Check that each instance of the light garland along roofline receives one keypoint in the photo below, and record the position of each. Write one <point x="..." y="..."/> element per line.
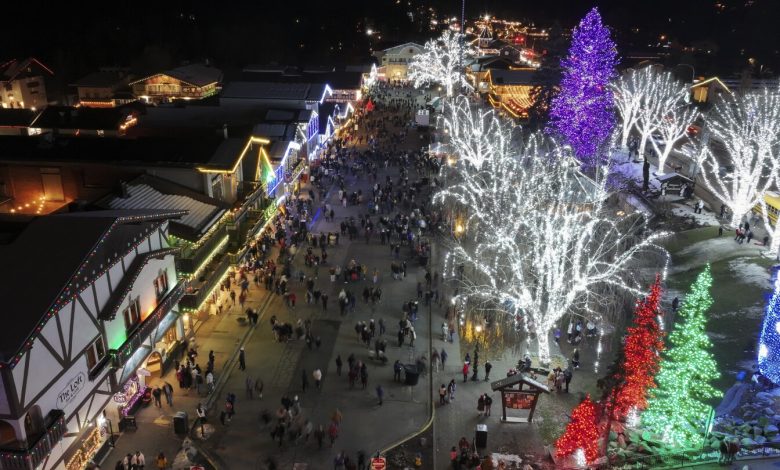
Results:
<point x="70" y="292"/>
<point x="252" y="140"/>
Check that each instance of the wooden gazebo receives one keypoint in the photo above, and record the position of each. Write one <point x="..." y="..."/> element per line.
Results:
<point x="519" y="392"/>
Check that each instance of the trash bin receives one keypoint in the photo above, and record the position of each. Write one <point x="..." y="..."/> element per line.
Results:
<point x="181" y="423"/>
<point x="411" y="374"/>
<point x="480" y="439"/>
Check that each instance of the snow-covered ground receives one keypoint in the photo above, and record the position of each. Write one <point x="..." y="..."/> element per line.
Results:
<point x="713" y="250"/>
<point x="706" y="218"/>
<point x="750" y="273"/>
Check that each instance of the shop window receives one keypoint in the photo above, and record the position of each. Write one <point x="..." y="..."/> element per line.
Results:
<point x="132" y="315"/>
<point x="96" y="352"/>
<point x="170" y="335"/>
<point x="161" y="285"/>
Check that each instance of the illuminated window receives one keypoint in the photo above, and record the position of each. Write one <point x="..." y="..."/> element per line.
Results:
<point x="161" y="285"/>
<point x="132" y="315"/>
<point x="95" y="353"/>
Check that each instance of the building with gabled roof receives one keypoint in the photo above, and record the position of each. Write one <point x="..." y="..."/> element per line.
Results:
<point x="87" y="334"/>
<point x="195" y="81"/>
<point x="23" y="83"/>
<point x="105" y="88"/>
<point x="394" y="61"/>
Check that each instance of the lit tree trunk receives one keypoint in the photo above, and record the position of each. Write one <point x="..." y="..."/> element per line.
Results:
<point x="662" y="158"/>
<point x="625" y="132"/>
<point x="643" y="143"/>
<point x="543" y="342"/>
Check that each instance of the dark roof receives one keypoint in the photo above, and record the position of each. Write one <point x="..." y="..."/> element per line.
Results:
<point x="196" y="74"/>
<point x="69" y="117"/>
<point x="103" y="79"/>
<point x="169" y="151"/>
<point x="14" y="117"/>
<point x="276" y="91"/>
<point x="151" y="192"/>
<point x="45" y="263"/>
<point x="337" y="79"/>
<point x="512" y="77"/>
<point x="11" y="69"/>
<point x="327" y="110"/>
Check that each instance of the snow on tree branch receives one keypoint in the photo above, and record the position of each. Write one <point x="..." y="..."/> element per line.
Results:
<point x="740" y="163"/>
<point x="541" y="241"/>
<point x="442" y="62"/>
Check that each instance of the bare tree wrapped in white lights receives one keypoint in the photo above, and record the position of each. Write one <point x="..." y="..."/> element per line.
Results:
<point x="627" y="91"/>
<point x="662" y="93"/>
<point x="747" y="128"/>
<point x="672" y="129"/>
<point x="550" y="245"/>
<point x="442" y="62"/>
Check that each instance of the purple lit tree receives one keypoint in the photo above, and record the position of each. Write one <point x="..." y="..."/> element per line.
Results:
<point x="583" y="111"/>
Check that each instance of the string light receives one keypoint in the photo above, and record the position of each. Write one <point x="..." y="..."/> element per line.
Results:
<point x="548" y="252"/>
<point x="660" y="96"/>
<point x="641" y="355"/>
<point x="769" y="344"/>
<point x="582" y="112"/>
<point x="80" y="282"/>
<point x="88" y="449"/>
<point x="582" y="434"/>
<point x="441" y="61"/>
<point x="748" y="128"/>
<point x="207" y="259"/>
<point x="678" y="406"/>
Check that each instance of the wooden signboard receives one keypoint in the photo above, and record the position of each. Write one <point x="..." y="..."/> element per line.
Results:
<point x="519" y="400"/>
<point x="519" y="392"/>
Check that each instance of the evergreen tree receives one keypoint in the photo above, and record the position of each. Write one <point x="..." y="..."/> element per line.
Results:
<point x="582" y="432"/>
<point x="769" y="344"/>
<point x="677" y="407"/>
<point x="583" y="110"/>
<point x="641" y="355"/>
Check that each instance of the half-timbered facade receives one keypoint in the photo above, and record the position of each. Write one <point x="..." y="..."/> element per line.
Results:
<point x="91" y="309"/>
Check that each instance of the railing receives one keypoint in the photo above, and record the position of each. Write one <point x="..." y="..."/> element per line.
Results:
<point x="123" y="353"/>
<point x="192" y="301"/>
<point x="190" y="259"/>
<point x="34" y="455"/>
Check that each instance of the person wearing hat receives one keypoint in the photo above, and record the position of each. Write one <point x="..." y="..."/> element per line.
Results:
<point x="241" y="359"/>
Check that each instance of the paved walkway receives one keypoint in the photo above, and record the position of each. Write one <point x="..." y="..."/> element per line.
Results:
<point x="246" y="442"/>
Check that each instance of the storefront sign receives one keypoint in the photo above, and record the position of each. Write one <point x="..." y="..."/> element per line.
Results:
<point x="519" y="400"/>
<point x="71" y="390"/>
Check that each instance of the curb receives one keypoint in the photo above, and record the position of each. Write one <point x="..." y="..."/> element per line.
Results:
<point x="429" y="423"/>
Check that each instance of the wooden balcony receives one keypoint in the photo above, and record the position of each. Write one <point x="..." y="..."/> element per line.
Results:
<point x="30" y="457"/>
<point x="121" y="355"/>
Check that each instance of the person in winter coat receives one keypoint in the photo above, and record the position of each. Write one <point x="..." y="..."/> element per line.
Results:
<point x="465" y="371"/>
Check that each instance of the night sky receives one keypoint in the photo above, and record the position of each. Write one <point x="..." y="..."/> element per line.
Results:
<point x="74" y="39"/>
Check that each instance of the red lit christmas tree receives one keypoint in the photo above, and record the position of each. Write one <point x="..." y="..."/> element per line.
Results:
<point x="582" y="432"/>
<point x="644" y="343"/>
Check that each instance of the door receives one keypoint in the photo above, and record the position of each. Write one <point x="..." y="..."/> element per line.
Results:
<point x="52" y="184"/>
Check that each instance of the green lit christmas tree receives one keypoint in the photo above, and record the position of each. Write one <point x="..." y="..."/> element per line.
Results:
<point x="677" y="408"/>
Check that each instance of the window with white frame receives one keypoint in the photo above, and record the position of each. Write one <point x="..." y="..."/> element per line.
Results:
<point x="132" y="314"/>
<point x="95" y="353"/>
<point x="161" y="284"/>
